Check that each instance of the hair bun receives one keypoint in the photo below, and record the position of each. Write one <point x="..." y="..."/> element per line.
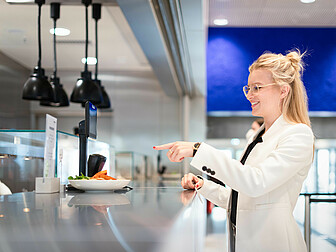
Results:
<point x="295" y="58"/>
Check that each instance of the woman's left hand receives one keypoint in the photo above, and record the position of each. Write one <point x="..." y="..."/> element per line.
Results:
<point x="177" y="150"/>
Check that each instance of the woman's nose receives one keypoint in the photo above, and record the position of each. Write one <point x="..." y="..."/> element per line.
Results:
<point x="249" y="95"/>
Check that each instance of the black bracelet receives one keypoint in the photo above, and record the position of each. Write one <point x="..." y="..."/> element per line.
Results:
<point x="195" y="148"/>
<point x="200" y="177"/>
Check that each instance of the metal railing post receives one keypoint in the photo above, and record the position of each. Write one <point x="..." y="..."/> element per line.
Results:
<point x="307" y="222"/>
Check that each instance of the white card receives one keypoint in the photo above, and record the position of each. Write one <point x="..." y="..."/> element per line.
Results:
<point x="50" y="147"/>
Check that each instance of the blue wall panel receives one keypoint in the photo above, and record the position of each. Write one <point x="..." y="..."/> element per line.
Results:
<point x="232" y="50"/>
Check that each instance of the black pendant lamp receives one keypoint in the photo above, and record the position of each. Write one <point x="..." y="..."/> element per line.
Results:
<point x="60" y="98"/>
<point x="37" y="86"/>
<point x="86" y="89"/>
<point x="96" y="15"/>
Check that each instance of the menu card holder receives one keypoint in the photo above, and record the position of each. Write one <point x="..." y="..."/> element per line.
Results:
<point x="47" y="185"/>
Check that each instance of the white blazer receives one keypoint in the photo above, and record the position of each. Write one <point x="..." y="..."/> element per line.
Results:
<point x="269" y="185"/>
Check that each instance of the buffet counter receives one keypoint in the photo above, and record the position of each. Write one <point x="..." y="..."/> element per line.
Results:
<point x="151" y="217"/>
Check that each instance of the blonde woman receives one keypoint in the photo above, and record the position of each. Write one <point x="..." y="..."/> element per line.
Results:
<point x="266" y="182"/>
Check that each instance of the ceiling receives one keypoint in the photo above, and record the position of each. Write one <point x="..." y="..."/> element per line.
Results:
<point x="118" y="48"/>
<point x="129" y="33"/>
<point x="273" y="13"/>
<point x="132" y="37"/>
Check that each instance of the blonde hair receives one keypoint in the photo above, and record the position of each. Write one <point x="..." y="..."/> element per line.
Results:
<point x="286" y="70"/>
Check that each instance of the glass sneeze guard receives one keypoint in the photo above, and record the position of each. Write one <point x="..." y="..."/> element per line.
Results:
<point x="22" y="152"/>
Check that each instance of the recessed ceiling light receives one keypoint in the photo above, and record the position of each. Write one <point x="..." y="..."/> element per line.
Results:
<point x="90" y="60"/>
<point x="221" y="21"/>
<point x="307" y="1"/>
<point x="60" y="31"/>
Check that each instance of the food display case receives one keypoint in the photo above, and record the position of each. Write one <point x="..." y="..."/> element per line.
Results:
<point x="133" y="165"/>
<point x="22" y="156"/>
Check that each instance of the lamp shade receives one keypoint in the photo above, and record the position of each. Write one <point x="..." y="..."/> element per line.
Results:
<point x="106" y="100"/>
<point x="37" y="86"/>
<point x="60" y="98"/>
<point x="86" y="90"/>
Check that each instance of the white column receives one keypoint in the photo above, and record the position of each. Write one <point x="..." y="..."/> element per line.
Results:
<point x="33" y="120"/>
<point x="185" y="129"/>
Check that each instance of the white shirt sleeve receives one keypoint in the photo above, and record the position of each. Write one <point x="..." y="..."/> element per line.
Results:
<point x="215" y="193"/>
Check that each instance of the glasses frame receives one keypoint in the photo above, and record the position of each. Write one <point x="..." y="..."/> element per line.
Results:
<point x="247" y="89"/>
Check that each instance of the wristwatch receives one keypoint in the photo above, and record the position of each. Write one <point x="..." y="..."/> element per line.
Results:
<point x="195" y="148"/>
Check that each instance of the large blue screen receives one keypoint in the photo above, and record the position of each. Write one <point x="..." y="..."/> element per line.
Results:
<point x="232" y="50"/>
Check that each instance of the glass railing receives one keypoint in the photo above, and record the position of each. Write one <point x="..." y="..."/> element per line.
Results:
<point x="133" y="165"/>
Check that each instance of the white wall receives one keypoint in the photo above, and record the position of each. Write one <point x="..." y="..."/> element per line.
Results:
<point x="14" y="112"/>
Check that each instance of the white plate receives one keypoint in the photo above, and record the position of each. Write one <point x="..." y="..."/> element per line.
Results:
<point x="99" y="185"/>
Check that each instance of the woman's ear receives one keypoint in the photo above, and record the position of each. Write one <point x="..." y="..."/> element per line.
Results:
<point x="284" y="90"/>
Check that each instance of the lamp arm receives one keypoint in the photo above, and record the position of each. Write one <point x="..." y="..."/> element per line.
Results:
<point x="96" y="15"/>
<point x="55" y="14"/>
<point x="39" y="35"/>
<point x="96" y="67"/>
<point x="86" y="37"/>
<point x="55" y="59"/>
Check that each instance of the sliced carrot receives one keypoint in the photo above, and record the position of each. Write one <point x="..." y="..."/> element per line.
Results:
<point x="102" y="175"/>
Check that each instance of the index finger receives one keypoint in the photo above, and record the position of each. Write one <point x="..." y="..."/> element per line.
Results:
<point x="164" y="146"/>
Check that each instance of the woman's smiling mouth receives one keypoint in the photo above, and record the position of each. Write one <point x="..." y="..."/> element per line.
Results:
<point x="253" y="104"/>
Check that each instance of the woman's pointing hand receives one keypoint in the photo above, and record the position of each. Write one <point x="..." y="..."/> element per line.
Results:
<point x="177" y="150"/>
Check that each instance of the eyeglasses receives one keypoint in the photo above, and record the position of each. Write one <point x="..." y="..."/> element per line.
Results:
<point x="254" y="88"/>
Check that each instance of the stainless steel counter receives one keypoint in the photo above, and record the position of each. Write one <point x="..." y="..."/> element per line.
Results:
<point x="161" y="217"/>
